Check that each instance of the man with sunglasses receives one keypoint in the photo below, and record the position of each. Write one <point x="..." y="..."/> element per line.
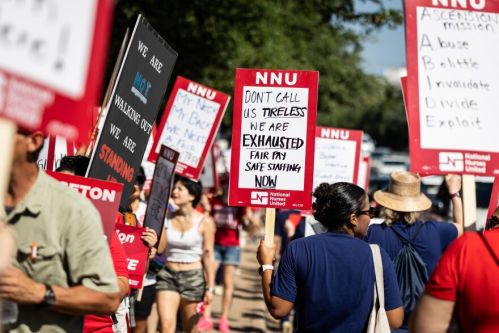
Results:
<point x="463" y="293"/>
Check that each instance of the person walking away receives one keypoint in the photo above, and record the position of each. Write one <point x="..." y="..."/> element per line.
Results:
<point x="462" y="294"/>
<point x="63" y="268"/>
<point x="228" y="222"/>
<point x="188" y="240"/>
<point x="413" y="245"/>
<point x="330" y="277"/>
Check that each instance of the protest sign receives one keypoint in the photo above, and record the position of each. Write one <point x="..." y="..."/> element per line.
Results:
<point x="337" y="155"/>
<point x="494" y="198"/>
<point x="364" y="172"/>
<point x="136" y="97"/>
<point x="209" y="176"/>
<point x="104" y="195"/>
<point x="54" y="149"/>
<point x="452" y="86"/>
<point x="273" y="138"/>
<point x="160" y="189"/>
<point x="51" y="64"/>
<point x="189" y="124"/>
<point x="136" y="253"/>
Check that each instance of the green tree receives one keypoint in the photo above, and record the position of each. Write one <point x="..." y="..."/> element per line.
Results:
<point x="214" y="38"/>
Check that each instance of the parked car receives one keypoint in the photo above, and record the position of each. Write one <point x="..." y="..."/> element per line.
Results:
<point x="368" y="144"/>
<point x="392" y="162"/>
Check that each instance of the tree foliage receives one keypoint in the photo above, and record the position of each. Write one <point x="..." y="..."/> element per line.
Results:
<point x="214" y="38"/>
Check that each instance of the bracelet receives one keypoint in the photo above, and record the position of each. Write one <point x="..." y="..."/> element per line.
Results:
<point x="211" y="290"/>
<point x="455" y="195"/>
<point x="264" y="268"/>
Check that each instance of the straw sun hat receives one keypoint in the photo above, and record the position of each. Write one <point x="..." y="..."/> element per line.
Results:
<point x="404" y="193"/>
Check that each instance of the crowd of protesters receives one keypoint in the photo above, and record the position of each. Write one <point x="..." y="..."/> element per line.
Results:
<point x="61" y="279"/>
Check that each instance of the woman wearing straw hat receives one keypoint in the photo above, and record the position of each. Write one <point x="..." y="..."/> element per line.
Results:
<point x="401" y="206"/>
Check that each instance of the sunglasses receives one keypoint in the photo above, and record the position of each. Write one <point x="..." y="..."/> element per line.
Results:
<point x="372" y="212"/>
<point x="492" y="222"/>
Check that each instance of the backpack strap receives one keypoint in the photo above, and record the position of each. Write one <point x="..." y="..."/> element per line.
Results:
<point x="403" y="239"/>
<point x="487" y="245"/>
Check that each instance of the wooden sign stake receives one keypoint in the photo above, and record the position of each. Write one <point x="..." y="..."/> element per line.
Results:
<point x="469" y="200"/>
<point x="269" y="226"/>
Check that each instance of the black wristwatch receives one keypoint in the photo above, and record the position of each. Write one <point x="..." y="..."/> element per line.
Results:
<point x="49" y="297"/>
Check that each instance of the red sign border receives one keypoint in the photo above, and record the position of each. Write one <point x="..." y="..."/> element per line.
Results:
<point x="425" y="161"/>
<point x="182" y="168"/>
<point x="301" y="200"/>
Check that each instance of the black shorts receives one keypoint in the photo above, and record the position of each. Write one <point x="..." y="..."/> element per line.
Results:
<point x="143" y="308"/>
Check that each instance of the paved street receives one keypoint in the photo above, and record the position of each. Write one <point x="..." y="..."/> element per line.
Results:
<point x="248" y="313"/>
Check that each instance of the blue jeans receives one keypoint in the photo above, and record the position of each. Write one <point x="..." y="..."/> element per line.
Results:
<point x="228" y="255"/>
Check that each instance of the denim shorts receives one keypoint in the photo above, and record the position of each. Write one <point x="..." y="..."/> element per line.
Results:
<point x="228" y="255"/>
<point x="189" y="284"/>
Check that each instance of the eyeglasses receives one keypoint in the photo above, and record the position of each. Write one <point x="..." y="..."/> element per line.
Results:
<point x="372" y="212"/>
<point x="492" y="222"/>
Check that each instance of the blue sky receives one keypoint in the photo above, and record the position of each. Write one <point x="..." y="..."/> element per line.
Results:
<point x="385" y="48"/>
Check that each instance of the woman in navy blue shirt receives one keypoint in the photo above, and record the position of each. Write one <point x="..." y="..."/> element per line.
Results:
<point x="329" y="278"/>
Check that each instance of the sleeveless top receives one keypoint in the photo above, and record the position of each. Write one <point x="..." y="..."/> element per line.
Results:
<point x="184" y="247"/>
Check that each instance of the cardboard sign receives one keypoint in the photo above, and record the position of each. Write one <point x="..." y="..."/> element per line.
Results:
<point x="337" y="155"/>
<point x="364" y="172"/>
<point x="136" y="253"/>
<point x="189" y="124"/>
<point x="494" y="198"/>
<point x="51" y="64"/>
<point x="54" y="149"/>
<point x="273" y="138"/>
<point x="162" y="184"/>
<point x="452" y="86"/>
<point x="104" y="195"/>
<point x="135" y="101"/>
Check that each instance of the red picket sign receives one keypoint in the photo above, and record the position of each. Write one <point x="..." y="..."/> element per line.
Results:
<point x="273" y="138"/>
<point x="190" y="122"/>
<point x="52" y="63"/>
<point x="452" y="86"/>
<point x="337" y="155"/>
<point x="104" y="195"/>
<point x="136" y="253"/>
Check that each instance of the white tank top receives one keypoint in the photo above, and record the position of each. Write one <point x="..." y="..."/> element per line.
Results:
<point x="184" y="247"/>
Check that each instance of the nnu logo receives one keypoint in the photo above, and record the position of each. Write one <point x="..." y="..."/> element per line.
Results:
<point x="141" y="87"/>
<point x="451" y="161"/>
<point x="259" y="198"/>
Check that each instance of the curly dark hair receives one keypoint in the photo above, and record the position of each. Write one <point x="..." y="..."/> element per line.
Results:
<point x="334" y="203"/>
<point x="194" y="188"/>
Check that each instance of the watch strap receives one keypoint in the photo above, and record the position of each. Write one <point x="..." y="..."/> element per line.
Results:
<point x="49" y="297"/>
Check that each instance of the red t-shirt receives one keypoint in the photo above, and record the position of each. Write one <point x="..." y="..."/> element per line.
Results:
<point x="104" y="324"/>
<point x="228" y="219"/>
<point x="468" y="275"/>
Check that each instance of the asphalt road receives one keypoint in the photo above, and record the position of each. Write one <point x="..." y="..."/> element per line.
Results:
<point x="248" y="311"/>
